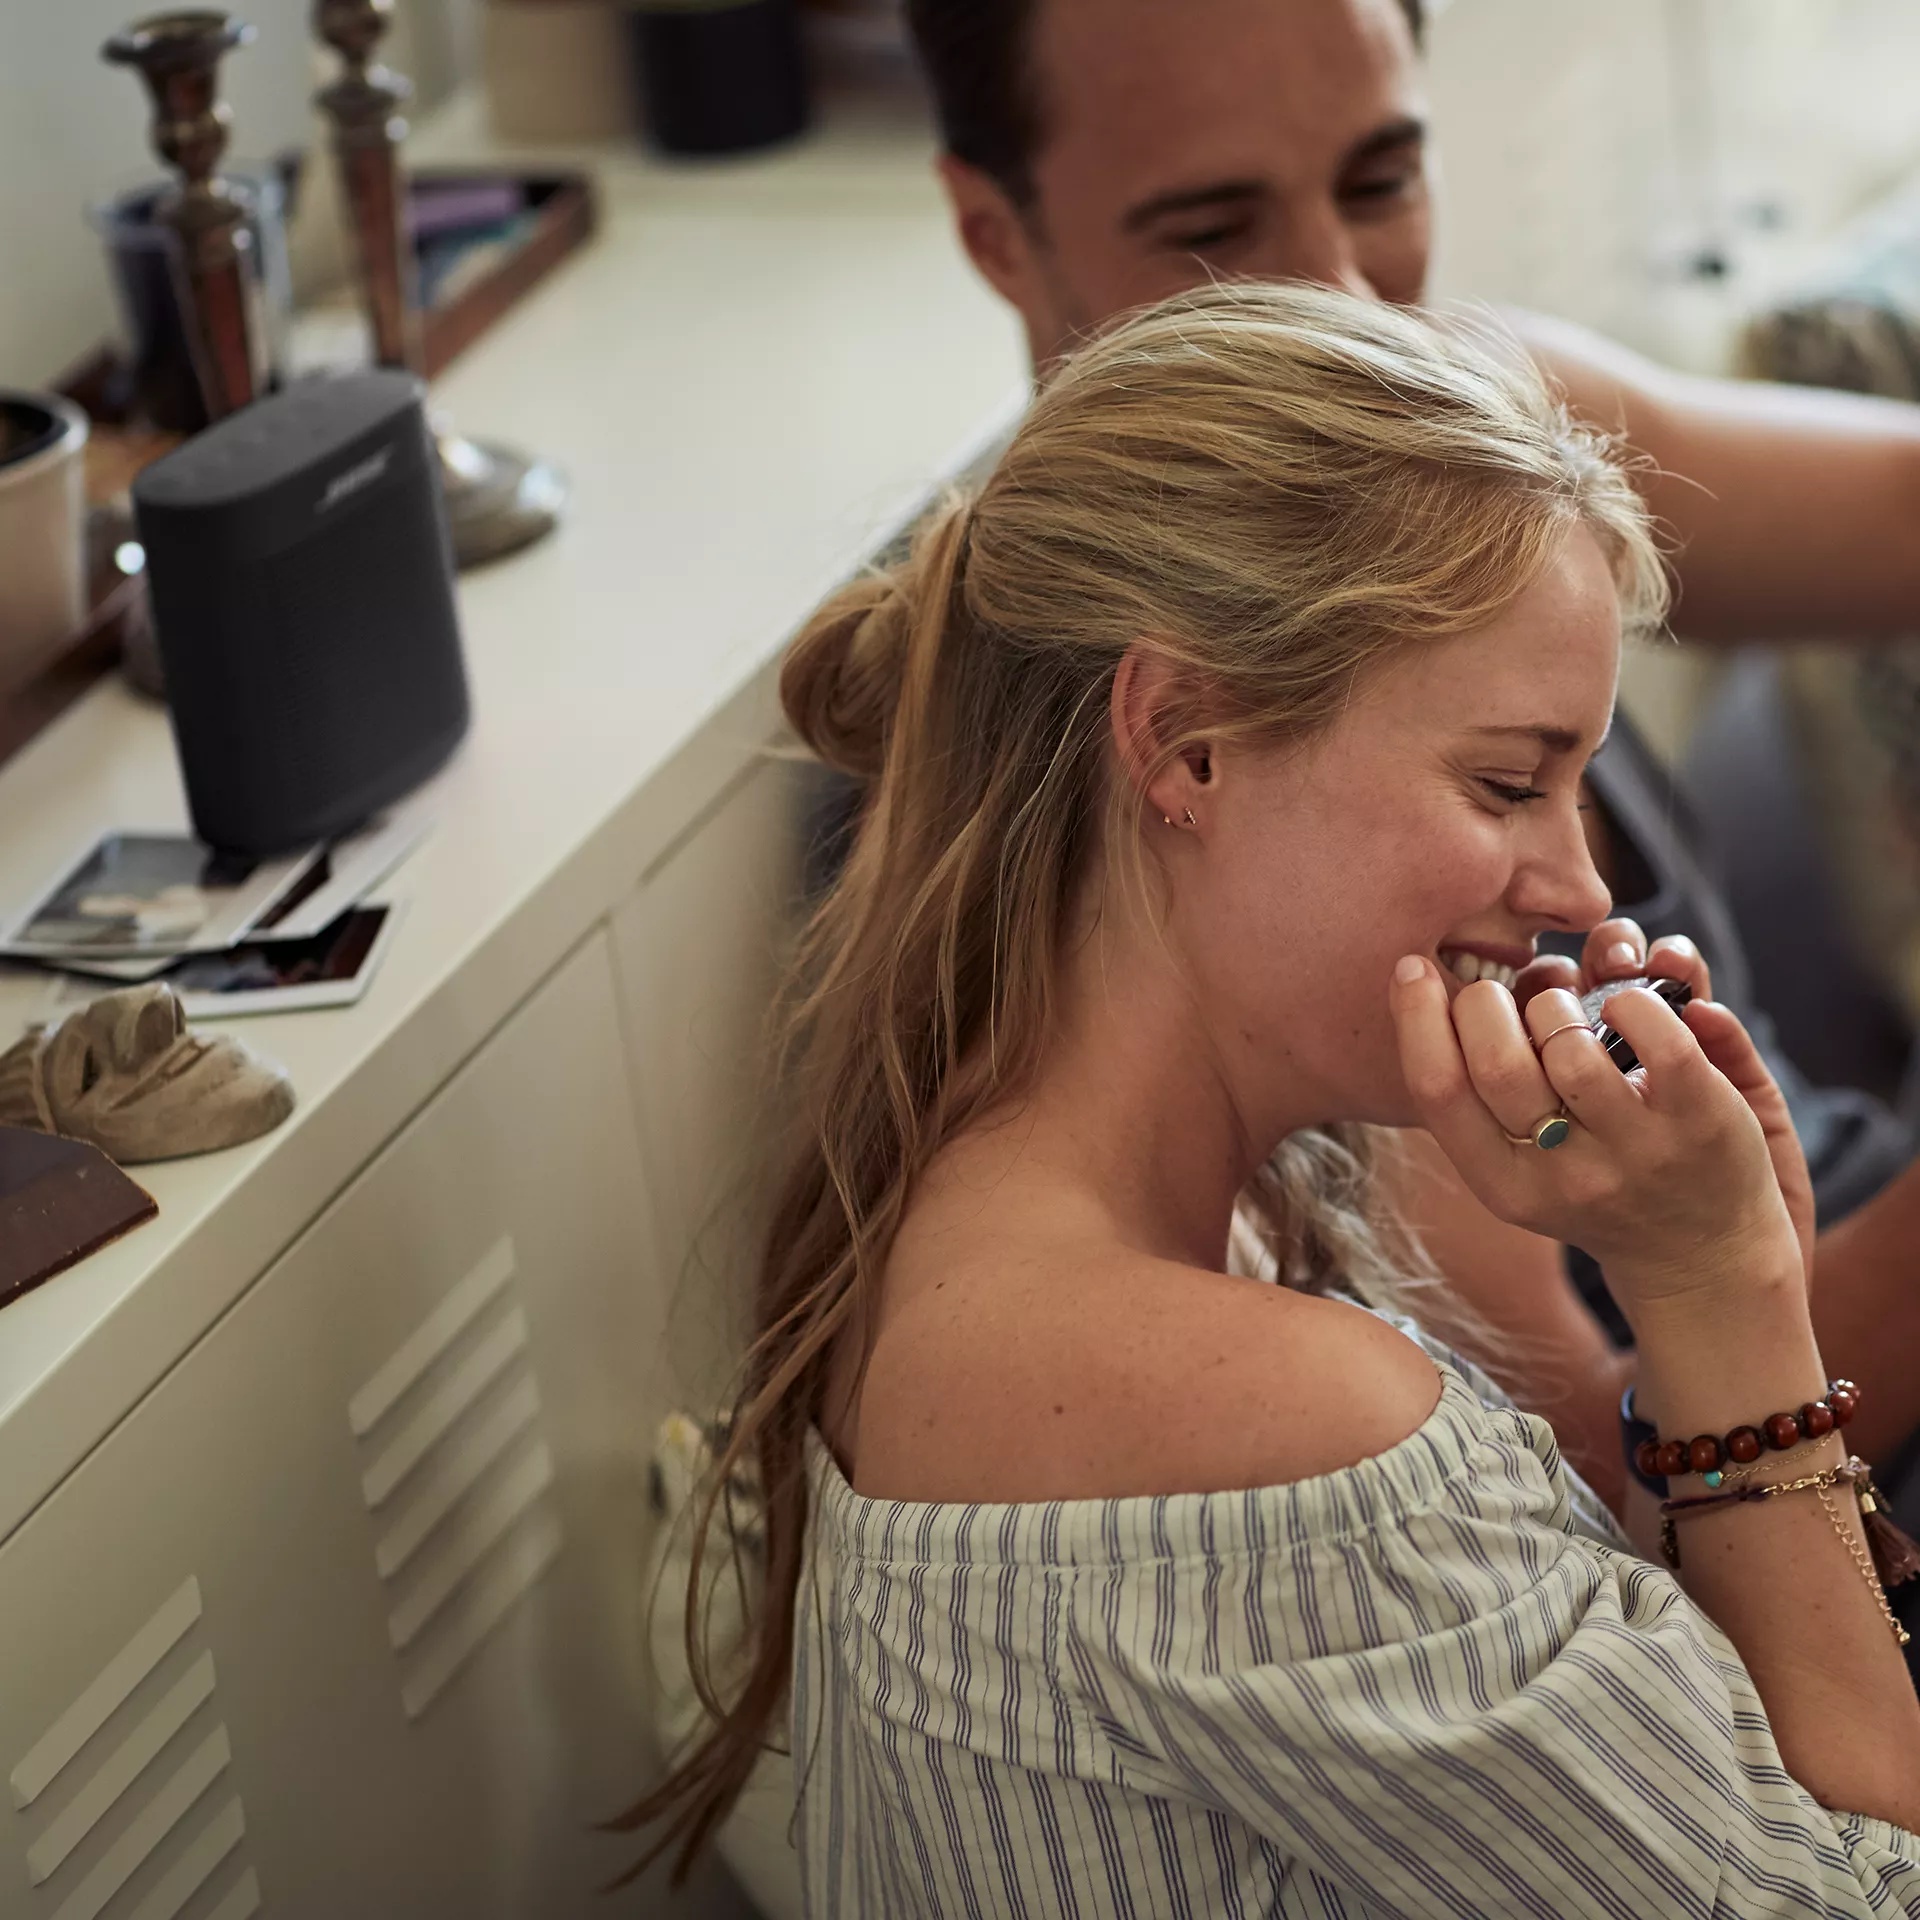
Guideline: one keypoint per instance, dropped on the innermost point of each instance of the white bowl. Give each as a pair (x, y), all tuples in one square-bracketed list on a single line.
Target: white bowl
[(43, 519)]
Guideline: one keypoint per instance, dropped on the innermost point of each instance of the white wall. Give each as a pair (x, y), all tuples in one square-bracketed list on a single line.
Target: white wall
[(1589, 148), (436, 44), (73, 129)]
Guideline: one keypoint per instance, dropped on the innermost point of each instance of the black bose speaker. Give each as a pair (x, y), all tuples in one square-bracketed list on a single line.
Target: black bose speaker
[(302, 584)]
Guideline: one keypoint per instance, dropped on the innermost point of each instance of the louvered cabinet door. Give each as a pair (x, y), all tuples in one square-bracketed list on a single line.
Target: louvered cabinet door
[(344, 1619)]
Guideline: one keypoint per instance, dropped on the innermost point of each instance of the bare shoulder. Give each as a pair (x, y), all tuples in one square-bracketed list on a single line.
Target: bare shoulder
[(1110, 1373)]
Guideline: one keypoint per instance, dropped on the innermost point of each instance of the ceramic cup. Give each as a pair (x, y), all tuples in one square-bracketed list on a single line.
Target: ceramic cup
[(43, 518)]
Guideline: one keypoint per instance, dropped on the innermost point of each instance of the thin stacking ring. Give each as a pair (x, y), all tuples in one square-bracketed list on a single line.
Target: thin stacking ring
[(1572, 1026), (1550, 1133)]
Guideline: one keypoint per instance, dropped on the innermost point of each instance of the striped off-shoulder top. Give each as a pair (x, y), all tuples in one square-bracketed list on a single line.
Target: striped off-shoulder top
[(1436, 1683)]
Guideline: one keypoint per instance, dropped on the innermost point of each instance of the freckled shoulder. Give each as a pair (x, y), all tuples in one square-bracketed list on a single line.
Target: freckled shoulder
[(1117, 1374)]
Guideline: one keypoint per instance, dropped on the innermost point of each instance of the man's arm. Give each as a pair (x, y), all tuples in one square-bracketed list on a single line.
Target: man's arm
[(1796, 511), (1866, 1312)]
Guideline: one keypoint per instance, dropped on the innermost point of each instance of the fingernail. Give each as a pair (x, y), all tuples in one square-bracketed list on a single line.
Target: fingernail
[(1410, 968), (1622, 956)]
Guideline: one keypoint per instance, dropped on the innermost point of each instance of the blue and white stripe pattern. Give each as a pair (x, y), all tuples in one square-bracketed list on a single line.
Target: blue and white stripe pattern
[(1433, 1684)]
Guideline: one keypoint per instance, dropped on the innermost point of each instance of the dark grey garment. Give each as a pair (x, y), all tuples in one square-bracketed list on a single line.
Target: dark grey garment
[(1749, 777)]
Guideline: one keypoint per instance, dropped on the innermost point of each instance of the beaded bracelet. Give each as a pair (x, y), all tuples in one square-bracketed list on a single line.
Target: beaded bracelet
[(1655, 1460)]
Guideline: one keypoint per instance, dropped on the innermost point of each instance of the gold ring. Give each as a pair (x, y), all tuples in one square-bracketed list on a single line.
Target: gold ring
[(1550, 1133), (1572, 1026)]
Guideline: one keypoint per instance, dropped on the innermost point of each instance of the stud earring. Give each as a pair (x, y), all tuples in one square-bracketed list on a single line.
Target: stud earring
[(1187, 814)]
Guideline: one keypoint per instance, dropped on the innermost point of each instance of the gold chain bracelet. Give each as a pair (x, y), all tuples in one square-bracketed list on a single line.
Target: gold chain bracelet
[(1862, 1559), (1854, 1472), (1756, 1471)]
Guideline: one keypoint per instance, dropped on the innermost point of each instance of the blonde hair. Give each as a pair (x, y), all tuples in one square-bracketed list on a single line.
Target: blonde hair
[(1276, 487)]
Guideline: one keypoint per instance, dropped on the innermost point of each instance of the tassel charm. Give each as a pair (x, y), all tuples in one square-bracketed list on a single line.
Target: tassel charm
[(1895, 1555), (1887, 1558)]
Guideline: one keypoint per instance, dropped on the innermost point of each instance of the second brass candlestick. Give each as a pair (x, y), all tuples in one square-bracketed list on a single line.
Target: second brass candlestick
[(498, 500)]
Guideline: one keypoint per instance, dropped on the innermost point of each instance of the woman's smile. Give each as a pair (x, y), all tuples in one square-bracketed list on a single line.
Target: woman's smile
[(1463, 962)]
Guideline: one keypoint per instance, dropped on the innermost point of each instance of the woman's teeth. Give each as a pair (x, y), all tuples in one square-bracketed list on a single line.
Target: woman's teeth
[(1470, 967)]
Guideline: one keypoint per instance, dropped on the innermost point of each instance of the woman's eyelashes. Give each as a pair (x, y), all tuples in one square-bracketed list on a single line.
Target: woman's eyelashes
[(1512, 793)]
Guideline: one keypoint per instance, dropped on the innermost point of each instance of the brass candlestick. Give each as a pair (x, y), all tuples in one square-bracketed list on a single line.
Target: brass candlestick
[(178, 56), (498, 500)]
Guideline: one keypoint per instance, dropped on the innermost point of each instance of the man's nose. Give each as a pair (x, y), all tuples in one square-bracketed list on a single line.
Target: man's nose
[(1321, 250)]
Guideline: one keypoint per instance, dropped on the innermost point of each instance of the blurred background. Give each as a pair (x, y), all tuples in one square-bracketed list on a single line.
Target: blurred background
[(1677, 174), (1654, 168)]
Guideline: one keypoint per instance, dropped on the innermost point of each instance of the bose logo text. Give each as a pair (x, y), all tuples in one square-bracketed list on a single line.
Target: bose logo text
[(354, 478)]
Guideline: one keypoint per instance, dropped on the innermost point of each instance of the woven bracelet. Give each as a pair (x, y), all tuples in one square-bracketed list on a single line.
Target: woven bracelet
[(1888, 1558)]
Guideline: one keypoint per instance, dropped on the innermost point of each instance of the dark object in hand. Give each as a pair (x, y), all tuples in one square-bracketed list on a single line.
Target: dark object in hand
[(1676, 993)]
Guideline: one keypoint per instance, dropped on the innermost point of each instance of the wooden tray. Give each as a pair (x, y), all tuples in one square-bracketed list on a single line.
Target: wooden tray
[(565, 215), (35, 691)]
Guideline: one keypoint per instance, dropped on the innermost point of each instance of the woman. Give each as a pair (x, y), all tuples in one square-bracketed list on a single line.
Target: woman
[(1246, 702)]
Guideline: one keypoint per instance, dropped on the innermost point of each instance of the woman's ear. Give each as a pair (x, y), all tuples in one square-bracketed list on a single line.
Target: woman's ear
[(1142, 711)]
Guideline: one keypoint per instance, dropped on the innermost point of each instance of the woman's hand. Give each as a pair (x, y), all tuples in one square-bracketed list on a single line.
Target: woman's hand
[(1669, 1175), (1617, 950)]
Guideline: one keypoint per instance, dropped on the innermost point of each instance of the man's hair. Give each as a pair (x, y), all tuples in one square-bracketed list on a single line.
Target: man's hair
[(975, 56)]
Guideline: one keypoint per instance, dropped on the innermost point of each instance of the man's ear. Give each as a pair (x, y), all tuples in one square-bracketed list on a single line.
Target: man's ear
[(1145, 702), (993, 231)]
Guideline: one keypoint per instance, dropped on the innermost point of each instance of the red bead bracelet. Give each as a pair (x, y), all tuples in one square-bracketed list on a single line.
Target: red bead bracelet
[(1707, 1455)]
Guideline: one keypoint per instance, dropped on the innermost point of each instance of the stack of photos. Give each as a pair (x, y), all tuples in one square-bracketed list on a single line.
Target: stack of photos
[(230, 933)]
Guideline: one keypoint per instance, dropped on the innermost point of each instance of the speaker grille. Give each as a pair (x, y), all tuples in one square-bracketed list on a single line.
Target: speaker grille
[(313, 667)]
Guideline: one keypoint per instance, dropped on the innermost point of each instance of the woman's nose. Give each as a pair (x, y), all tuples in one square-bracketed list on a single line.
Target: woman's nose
[(1560, 883)]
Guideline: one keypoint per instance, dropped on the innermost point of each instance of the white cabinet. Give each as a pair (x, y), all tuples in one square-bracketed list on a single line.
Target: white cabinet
[(344, 1619), (699, 952)]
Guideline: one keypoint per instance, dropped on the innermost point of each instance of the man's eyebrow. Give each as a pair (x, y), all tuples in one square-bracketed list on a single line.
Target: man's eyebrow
[(1217, 193), (1554, 739)]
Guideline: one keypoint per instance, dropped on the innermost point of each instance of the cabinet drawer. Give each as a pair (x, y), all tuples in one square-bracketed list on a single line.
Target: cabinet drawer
[(345, 1617)]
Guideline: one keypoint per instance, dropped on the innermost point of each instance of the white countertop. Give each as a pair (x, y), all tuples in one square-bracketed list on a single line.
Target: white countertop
[(754, 372)]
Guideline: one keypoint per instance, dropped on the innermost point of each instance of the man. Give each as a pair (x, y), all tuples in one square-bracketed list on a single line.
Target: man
[(1103, 153)]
